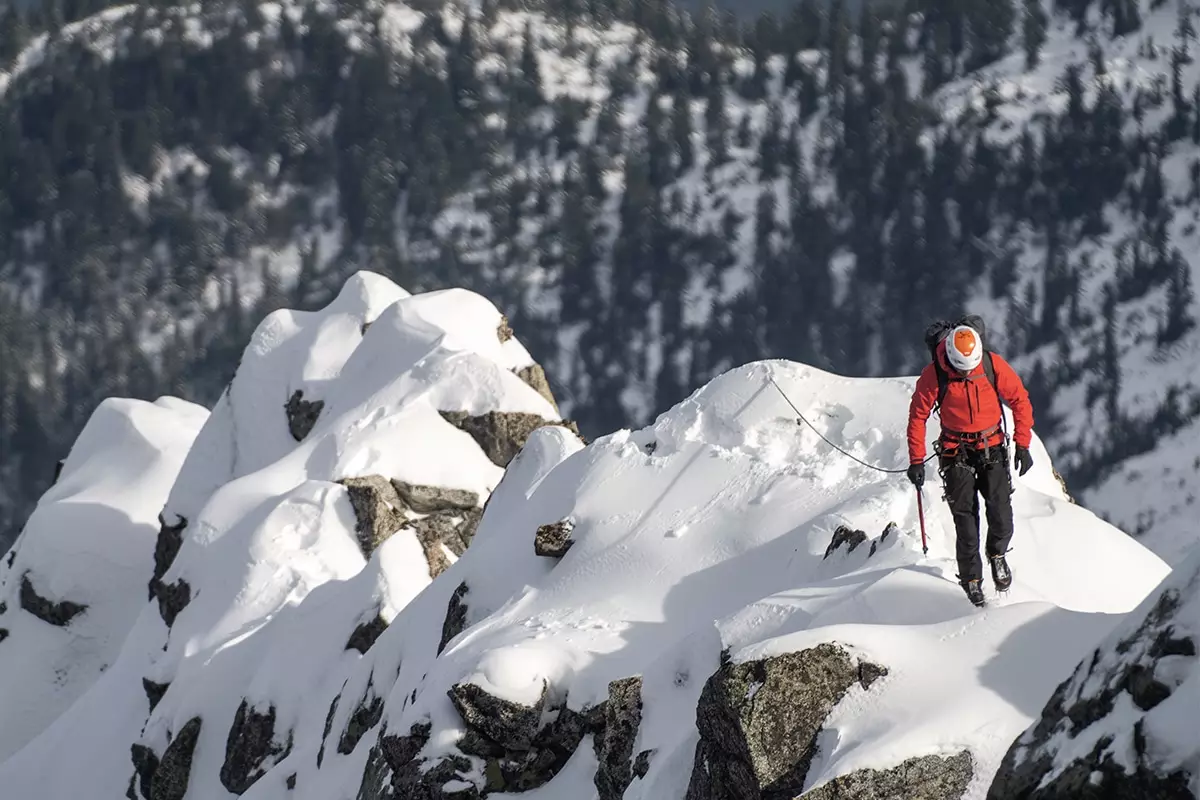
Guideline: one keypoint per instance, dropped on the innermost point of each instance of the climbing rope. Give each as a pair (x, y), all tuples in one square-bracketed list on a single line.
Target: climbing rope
[(851, 456)]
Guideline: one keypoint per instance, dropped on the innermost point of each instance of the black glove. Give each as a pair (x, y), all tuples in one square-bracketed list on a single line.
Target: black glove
[(916, 474), (1024, 460)]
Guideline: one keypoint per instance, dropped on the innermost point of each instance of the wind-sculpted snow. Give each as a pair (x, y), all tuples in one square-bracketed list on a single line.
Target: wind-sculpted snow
[(661, 614), (73, 584)]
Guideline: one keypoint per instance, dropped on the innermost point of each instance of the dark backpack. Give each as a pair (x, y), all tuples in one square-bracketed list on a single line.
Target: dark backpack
[(938, 331)]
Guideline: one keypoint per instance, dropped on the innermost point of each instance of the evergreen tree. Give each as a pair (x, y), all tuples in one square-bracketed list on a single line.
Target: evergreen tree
[(1180, 297), (1111, 363), (1033, 32)]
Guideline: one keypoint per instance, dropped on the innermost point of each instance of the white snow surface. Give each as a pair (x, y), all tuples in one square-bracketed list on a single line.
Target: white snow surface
[(90, 541), (703, 531)]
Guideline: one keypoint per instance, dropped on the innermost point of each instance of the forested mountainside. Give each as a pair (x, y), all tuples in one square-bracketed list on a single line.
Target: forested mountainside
[(650, 197)]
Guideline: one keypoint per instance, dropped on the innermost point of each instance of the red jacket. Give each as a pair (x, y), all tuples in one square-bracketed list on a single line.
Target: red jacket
[(971, 406)]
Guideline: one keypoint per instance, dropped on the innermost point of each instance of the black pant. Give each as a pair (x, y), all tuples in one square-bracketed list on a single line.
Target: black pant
[(966, 475)]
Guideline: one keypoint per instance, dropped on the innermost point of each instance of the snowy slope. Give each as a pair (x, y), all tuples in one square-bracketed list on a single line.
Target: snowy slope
[(308, 635), (74, 583)]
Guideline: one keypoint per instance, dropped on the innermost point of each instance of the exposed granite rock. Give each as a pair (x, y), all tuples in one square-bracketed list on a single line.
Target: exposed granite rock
[(456, 617), (428, 499), (468, 526), (641, 764), (501, 434), (154, 691), (302, 414), (931, 777), (554, 540), (535, 377), (524, 770), (173, 598), (366, 633), (145, 764), (366, 715), (1063, 484), (504, 331), (434, 531), (845, 537), (614, 746), (166, 547), (378, 510), (174, 769), (510, 725), (58, 614), (328, 726), (394, 771), (250, 748), (759, 722)]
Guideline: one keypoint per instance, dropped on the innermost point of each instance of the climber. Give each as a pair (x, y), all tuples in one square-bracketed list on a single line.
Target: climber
[(967, 384)]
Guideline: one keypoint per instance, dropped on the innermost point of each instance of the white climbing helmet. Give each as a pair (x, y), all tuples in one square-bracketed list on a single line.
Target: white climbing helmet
[(964, 349)]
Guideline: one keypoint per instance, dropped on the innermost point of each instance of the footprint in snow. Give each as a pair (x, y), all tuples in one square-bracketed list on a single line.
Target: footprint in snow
[(677, 533)]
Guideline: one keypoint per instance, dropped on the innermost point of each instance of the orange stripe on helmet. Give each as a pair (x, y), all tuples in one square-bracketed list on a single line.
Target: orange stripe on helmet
[(965, 341)]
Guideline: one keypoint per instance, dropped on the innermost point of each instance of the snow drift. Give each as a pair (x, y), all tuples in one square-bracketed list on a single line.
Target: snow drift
[(388, 568), (73, 584)]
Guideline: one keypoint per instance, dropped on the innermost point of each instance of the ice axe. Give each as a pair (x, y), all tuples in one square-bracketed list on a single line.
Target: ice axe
[(921, 516)]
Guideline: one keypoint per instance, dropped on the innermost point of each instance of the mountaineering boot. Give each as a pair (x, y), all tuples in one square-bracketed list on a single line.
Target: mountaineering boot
[(974, 590), (1001, 574)]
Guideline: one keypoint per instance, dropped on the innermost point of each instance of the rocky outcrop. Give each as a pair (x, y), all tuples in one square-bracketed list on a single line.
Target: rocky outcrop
[(501, 434), (456, 617), (166, 547), (302, 414), (932, 777), (430, 499), (154, 691), (845, 537), (554, 540), (504, 331), (759, 721), (145, 764), (329, 715), (438, 533), (511, 725), (378, 510), (366, 633), (250, 748), (4, 634), (614, 744), (394, 770), (1130, 678), (171, 775), (54, 613), (173, 599), (535, 377), (522, 770), (367, 715)]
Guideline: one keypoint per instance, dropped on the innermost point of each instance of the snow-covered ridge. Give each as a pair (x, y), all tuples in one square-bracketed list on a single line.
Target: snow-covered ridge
[(74, 582), (389, 569)]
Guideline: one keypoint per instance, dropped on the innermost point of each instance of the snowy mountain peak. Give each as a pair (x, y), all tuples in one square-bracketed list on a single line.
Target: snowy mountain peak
[(436, 589)]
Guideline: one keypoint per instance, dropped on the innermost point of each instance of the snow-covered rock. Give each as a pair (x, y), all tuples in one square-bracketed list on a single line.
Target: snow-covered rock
[(72, 586), (686, 610), (1124, 725)]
